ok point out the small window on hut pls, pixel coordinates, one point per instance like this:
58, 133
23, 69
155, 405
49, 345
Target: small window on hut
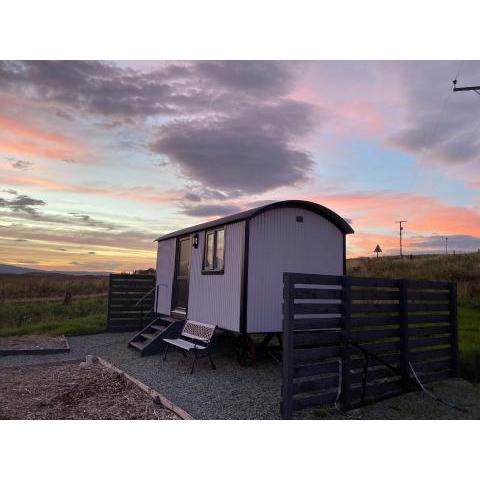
213, 260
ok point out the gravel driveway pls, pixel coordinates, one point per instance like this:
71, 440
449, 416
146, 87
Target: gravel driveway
229, 392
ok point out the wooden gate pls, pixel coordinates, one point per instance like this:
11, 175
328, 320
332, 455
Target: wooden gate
356, 339
130, 301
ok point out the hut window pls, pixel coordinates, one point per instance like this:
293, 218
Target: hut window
213, 261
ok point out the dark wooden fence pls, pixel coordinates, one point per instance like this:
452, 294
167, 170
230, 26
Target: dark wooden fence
126, 309
360, 337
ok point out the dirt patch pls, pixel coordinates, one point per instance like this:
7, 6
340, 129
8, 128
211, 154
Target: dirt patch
419, 406
68, 392
31, 344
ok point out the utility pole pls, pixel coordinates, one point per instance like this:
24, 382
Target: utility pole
400, 232
475, 89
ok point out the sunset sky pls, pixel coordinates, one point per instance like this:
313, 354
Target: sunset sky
97, 159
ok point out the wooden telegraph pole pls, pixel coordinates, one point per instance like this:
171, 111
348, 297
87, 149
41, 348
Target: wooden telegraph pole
400, 232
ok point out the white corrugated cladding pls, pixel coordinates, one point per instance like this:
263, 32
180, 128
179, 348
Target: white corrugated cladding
215, 299
278, 243
165, 270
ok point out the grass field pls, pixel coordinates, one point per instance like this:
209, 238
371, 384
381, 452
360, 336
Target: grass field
463, 269
82, 316
50, 285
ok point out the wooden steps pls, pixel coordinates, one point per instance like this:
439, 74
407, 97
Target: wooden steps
149, 340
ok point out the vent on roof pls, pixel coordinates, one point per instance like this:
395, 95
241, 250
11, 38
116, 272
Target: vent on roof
300, 218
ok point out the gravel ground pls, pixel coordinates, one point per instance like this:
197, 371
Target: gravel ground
230, 392
32, 343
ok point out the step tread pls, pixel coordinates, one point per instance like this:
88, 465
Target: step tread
149, 336
160, 328
137, 345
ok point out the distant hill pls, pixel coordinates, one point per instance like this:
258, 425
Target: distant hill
13, 269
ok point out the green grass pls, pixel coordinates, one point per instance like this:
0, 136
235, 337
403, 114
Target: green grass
469, 342
53, 318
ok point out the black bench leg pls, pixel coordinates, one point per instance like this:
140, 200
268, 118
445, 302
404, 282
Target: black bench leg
194, 360
166, 351
211, 361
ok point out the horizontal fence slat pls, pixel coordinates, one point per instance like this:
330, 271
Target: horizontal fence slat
314, 279
315, 369
308, 386
430, 354
374, 295
432, 365
374, 307
427, 284
318, 308
412, 319
379, 389
370, 335
428, 307
366, 321
382, 347
432, 330
318, 293
373, 282
322, 400
426, 295
315, 354
391, 358
316, 323
429, 341
373, 374
316, 338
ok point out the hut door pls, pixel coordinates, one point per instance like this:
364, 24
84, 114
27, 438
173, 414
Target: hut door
182, 269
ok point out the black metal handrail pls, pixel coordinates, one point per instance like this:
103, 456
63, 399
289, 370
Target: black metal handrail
141, 305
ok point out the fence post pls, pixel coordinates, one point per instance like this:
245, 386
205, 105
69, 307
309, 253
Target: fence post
404, 347
109, 305
453, 329
346, 337
287, 346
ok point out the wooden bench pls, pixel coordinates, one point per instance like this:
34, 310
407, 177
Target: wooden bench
195, 336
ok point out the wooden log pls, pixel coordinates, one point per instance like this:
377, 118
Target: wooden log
156, 396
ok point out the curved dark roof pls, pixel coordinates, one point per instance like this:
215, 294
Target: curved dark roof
325, 212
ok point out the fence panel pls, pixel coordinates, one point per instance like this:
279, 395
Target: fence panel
360, 337
125, 292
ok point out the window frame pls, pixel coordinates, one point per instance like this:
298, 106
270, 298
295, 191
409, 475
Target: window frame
213, 270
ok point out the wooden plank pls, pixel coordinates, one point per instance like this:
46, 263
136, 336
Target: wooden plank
314, 401
429, 341
317, 293
316, 338
433, 365
316, 308
373, 282
429, 330
391, 358
404, 339
345, 348
310, 386
156, 396
428, 307
418, 319
314, 279
427, 378
366, 321
375, 307
316, 323
380, 389
374, 294
315, 354
439, 297
427, 284
370, 335
287, 347
315, 369
382, 347
376, 374
454, 330
431, 354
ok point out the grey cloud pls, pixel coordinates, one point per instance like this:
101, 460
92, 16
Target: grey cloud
20, 164
10, 191
22, 203
209, 210
251, 152
436, 243
438, 124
